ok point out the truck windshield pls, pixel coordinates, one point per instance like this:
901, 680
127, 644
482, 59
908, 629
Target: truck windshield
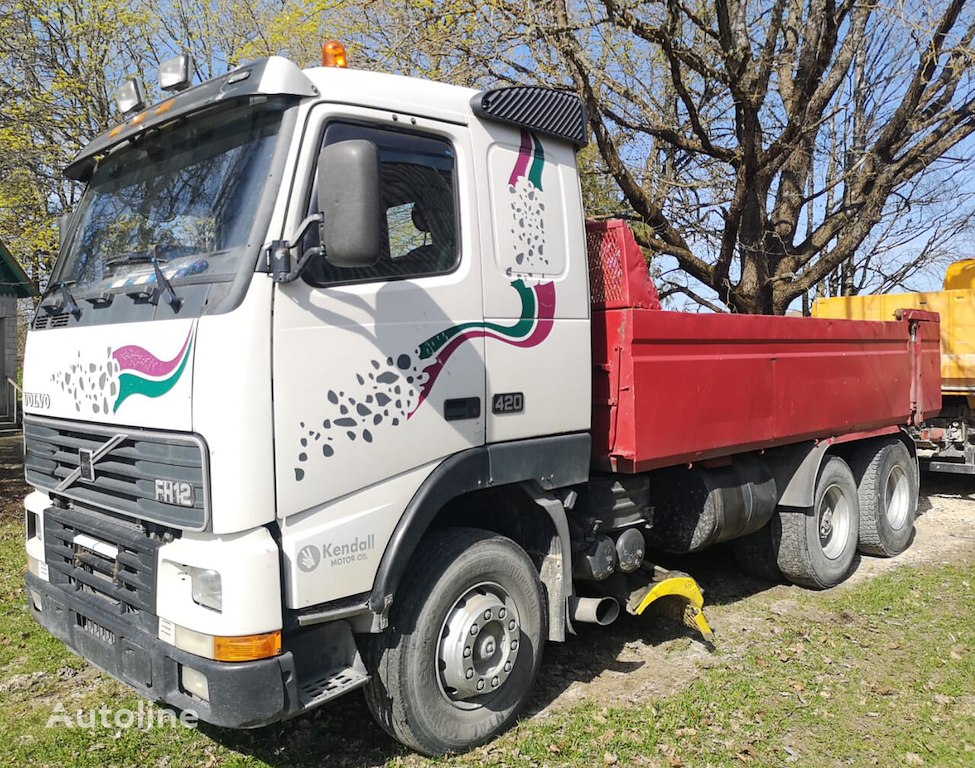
184, 197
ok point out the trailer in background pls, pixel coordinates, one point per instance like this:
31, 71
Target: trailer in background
945, 441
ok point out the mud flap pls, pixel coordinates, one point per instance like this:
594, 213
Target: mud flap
673, 584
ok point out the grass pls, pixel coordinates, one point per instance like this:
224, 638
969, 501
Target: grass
882, 673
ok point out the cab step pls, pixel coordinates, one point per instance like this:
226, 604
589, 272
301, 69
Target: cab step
331, 685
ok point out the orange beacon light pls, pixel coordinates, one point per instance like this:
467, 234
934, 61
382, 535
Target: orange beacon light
334, 55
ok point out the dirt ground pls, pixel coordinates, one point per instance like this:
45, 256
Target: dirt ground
12, 485
644, 657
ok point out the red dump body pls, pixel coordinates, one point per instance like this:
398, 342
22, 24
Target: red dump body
676, 387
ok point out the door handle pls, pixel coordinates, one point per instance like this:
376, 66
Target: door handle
461, 408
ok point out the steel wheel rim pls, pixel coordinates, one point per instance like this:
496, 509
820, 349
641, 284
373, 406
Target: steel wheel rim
833, 520
897, 497
478, 645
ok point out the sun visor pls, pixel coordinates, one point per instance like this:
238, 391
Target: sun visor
275, 76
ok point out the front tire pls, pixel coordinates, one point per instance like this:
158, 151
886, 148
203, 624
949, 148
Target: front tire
464, 644
818, 547
887, 486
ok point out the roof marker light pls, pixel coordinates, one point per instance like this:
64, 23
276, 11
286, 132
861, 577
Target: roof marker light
167, 105
334, 55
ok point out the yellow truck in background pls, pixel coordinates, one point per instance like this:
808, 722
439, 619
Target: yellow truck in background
946, 443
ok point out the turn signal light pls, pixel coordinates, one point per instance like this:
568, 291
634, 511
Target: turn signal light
334, 55
247, 647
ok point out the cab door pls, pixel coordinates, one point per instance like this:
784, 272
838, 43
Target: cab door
375, 378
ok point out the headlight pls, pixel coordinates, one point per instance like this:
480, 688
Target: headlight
207, 587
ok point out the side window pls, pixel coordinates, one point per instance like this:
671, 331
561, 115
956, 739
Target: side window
418, 192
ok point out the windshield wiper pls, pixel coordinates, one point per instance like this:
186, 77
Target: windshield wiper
67, 304
135, 258
165, 288
162, 288
138, 259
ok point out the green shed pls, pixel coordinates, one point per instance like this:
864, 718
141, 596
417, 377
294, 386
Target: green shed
14, 285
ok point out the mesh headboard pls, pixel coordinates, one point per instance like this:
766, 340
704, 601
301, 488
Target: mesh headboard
618, 275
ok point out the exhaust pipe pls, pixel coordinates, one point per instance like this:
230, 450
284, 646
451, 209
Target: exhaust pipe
594, 610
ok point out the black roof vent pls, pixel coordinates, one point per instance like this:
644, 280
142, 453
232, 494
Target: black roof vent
556, 113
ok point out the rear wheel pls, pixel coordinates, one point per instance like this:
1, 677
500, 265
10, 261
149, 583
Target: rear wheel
464, 643
887, 489
818, 546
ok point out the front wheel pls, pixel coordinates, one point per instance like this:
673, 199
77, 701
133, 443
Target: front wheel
464, 644
817, 547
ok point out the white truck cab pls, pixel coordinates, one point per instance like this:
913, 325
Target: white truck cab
301, 320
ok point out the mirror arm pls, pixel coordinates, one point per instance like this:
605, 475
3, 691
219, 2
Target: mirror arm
279, 255
315, 218
287, 277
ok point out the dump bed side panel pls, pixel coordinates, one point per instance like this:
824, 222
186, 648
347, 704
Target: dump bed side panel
676, 387
691, 387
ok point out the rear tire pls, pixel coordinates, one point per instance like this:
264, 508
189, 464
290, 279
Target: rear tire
818, 546
467, 618
887, 484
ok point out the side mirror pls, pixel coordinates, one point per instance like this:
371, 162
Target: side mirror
349, 199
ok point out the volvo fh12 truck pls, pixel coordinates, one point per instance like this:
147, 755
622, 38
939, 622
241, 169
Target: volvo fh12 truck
334, 388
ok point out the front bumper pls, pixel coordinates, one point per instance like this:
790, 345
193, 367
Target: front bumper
242, 694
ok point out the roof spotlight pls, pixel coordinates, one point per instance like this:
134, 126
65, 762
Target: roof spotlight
176, 73
130, 96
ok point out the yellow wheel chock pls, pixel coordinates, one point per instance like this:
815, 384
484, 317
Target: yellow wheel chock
678, 585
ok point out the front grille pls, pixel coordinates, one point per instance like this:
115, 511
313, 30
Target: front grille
96, 630
112, 563
134, 477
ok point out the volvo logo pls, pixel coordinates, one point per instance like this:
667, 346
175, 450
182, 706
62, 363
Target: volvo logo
38, 400
86, 465
86, 462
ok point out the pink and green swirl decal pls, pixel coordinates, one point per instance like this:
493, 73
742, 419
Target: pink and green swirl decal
142, 373
537, 302
534, 326
531, 160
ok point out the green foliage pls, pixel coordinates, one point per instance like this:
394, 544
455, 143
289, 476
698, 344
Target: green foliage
59, 63
600, 194
761, 144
